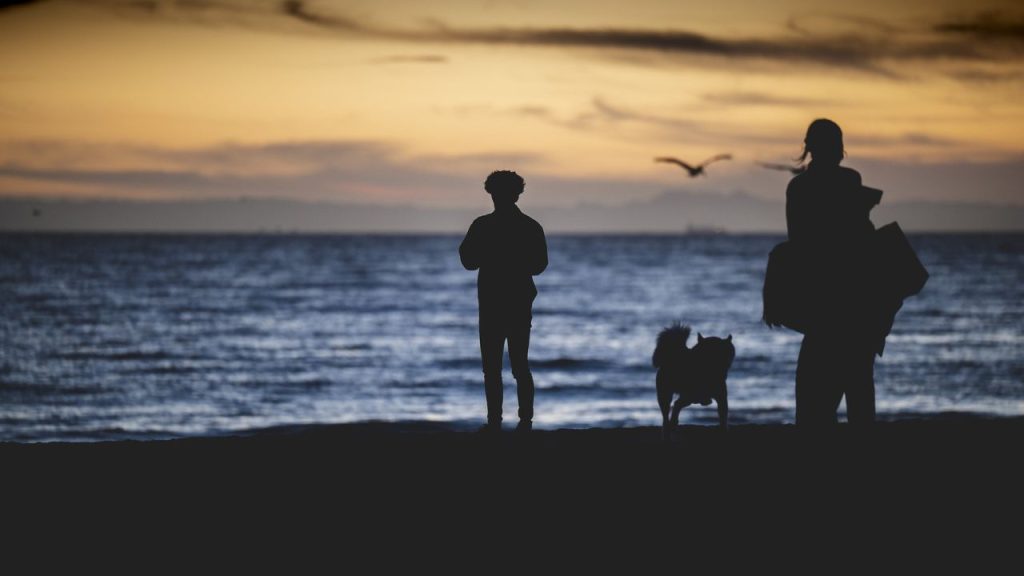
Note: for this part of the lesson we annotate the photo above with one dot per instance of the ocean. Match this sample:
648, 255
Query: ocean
113, 336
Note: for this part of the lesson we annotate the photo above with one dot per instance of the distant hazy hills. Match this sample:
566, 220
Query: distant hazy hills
675, 211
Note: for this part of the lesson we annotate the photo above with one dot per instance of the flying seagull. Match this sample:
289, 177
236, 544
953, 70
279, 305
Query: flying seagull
697, 170
784, 167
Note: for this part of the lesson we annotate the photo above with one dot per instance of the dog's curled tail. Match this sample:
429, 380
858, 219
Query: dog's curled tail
671, 341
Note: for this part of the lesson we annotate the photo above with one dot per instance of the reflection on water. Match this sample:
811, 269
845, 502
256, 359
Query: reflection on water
118, 335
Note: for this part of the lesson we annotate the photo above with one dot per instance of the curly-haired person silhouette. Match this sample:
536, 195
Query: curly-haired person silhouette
827, 218
509, 249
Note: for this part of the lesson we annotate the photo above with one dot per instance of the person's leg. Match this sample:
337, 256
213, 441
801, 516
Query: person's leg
816, 398
860, 386
518, 355
805, 383
492, 343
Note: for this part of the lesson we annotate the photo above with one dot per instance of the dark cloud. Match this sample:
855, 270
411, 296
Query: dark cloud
979, 76
845, 42
986, 26
867, 52
8, 4
679, 42
299, 11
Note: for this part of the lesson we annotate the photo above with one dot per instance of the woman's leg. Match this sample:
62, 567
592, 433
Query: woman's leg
860, 387
816, 397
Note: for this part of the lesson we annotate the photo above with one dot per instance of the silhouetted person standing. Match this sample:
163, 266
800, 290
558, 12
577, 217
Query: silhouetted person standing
509, 249
827, 213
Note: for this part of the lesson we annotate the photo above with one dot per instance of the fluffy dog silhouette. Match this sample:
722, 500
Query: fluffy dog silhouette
696, 375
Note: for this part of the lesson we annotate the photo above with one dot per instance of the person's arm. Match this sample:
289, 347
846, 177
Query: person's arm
471, 249
538, 259
794, 224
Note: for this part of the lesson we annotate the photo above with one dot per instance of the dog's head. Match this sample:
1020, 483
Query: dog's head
715, 354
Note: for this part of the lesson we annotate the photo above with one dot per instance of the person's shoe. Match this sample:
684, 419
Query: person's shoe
524, 426
489, 429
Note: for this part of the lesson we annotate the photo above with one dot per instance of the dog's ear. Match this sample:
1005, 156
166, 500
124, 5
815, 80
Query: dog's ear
700, 337
728, 338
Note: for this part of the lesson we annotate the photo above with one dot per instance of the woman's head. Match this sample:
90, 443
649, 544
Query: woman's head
824, 142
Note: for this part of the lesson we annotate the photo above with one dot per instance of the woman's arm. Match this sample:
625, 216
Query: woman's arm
794, 213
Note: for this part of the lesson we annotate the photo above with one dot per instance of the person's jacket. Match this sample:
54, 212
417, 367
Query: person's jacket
509, 248
827, 208
827, 218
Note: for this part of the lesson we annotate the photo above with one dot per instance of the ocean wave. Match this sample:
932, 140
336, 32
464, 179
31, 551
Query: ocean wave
163, 369
115, 355
577, 312
440, 383
352, 347
48, 389
754, 359
561, 363
567, 363
459, 362
591, 388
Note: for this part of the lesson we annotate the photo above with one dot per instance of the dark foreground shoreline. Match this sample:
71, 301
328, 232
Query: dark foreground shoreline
964, 449
442, 486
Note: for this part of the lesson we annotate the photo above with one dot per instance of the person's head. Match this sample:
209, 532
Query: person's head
824, 142
504, 186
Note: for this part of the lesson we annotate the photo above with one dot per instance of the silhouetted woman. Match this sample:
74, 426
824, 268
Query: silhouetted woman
827, 220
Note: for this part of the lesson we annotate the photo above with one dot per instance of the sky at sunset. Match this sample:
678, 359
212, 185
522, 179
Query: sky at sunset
413, 103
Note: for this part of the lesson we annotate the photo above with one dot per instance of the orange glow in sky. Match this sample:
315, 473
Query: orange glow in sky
108, 98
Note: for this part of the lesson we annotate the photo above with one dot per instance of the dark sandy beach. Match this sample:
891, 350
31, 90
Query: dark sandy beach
438, 487
951, 452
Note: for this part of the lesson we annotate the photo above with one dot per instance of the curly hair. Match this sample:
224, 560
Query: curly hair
504, 181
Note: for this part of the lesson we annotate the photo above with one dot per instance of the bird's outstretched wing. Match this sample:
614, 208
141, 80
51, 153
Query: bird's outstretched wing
783, 167
716, 159
674, 161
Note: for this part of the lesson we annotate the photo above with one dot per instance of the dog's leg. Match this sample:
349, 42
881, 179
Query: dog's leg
676, 408
664, 403
723, 409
